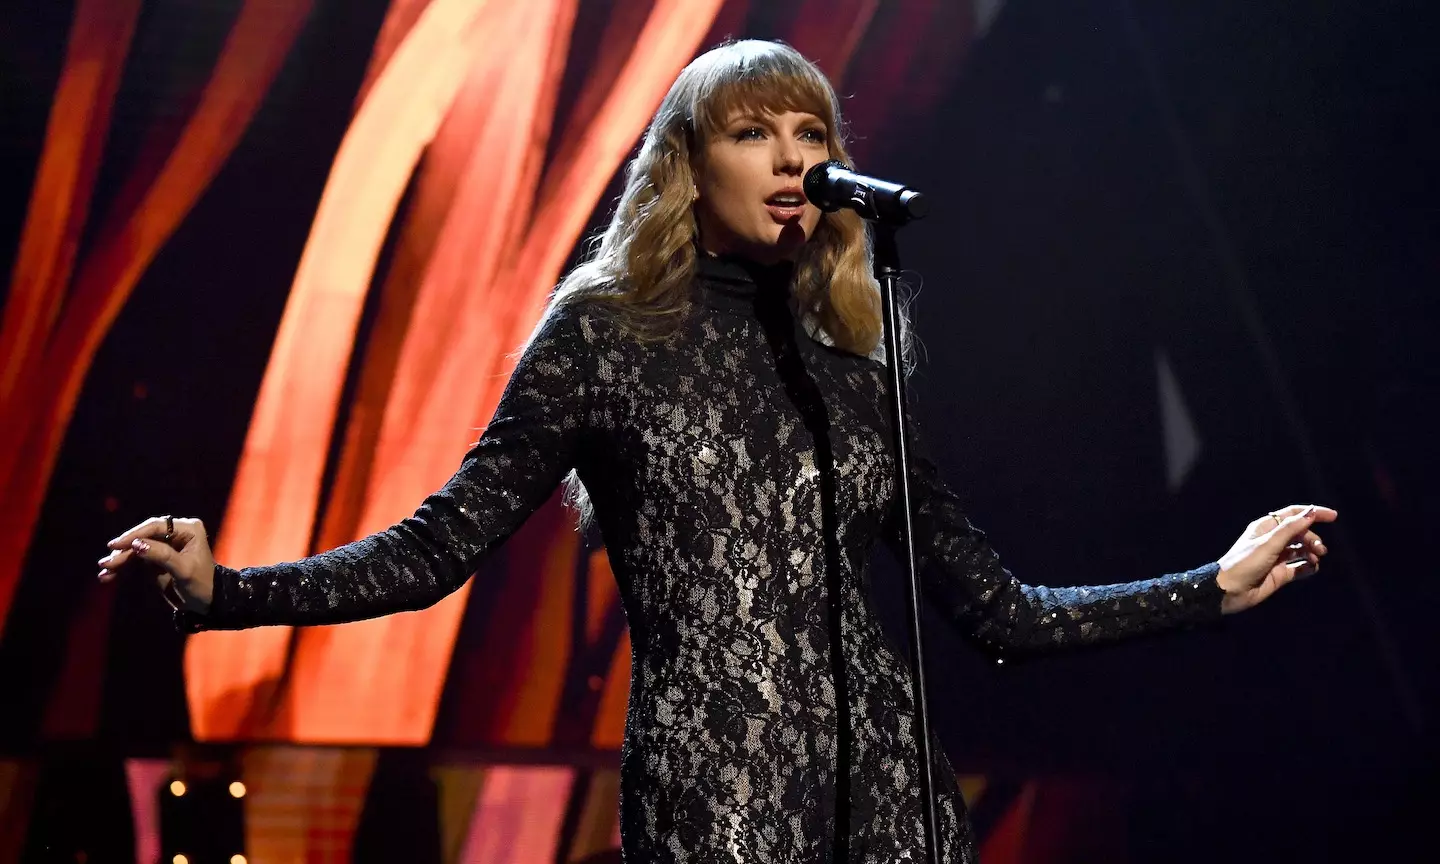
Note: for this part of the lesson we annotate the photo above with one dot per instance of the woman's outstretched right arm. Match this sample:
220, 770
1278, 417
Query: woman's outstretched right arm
530, 444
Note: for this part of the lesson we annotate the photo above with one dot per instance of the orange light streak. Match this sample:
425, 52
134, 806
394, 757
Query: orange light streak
380, 680
518, 817
75, 135
272, 505
529, 643
609, 731
304, 804
438, 182
400, 18
320, 707
429, 432
257, 44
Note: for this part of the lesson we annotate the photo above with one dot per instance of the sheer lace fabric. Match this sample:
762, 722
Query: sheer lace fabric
741, 477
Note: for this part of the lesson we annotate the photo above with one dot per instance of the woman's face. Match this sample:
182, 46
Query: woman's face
748, 178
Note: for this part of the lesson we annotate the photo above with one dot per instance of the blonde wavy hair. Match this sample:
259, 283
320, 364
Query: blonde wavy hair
642, 264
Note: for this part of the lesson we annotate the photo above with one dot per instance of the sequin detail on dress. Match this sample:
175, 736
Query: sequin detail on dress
740, 473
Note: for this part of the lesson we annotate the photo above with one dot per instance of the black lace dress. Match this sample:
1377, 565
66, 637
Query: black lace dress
741, 476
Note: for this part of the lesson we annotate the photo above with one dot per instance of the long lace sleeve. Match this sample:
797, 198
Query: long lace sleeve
963, 576
530, 444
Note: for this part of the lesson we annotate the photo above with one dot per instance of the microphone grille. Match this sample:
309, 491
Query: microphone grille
817, 184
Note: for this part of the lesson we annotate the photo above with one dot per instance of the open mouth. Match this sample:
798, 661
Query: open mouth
784, 206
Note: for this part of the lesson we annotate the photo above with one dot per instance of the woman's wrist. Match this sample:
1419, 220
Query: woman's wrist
1235, 597
203, 614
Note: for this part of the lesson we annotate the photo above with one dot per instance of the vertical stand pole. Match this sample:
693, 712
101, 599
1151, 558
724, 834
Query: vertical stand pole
887, 272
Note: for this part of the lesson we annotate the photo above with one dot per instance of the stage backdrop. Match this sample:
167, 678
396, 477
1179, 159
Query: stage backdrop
482, 138
269, 262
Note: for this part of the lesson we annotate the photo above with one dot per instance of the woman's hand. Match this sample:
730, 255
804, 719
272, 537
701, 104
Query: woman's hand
1275, 550
183, 566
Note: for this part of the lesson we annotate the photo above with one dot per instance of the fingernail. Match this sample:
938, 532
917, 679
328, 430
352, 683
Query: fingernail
1309, 511
140, 546
103, 574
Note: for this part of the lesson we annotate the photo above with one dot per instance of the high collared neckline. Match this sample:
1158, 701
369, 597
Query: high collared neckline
730, 281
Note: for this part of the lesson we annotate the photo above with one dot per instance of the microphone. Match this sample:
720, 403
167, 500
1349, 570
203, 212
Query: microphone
831, 185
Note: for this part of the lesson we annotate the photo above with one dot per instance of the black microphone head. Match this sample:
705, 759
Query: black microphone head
820, 188
915, 204
832, 185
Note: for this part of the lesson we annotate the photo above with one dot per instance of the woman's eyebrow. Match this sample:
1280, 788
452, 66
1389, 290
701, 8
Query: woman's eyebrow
748, 117
751, 116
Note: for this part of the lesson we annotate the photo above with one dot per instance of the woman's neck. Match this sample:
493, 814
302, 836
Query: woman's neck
764, 256
764, 274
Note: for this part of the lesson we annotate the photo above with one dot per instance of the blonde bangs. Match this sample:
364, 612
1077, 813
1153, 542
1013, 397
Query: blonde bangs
762, 84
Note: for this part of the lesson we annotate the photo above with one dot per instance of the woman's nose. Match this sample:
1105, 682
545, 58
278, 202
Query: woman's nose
789, 160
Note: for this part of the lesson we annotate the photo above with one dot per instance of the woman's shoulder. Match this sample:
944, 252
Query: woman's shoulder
591, 317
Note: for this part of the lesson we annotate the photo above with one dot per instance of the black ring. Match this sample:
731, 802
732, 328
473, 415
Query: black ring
169, 528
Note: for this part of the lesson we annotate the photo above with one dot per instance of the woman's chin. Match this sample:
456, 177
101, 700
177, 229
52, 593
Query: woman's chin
783, 244
791, 240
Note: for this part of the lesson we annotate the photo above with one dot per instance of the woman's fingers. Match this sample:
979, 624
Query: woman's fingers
1303, 567
159, 554
1322, 514
1274, 550
182, 568
110, 565
1270, 521
1309, 544
115, 558
1293, 528
183, 532
154, 528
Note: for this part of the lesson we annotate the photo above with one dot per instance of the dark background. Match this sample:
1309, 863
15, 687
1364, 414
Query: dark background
1245, 187
1249, 188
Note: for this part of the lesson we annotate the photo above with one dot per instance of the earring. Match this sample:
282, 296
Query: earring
694, 193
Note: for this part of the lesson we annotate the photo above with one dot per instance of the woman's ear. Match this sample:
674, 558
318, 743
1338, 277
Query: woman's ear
696, 160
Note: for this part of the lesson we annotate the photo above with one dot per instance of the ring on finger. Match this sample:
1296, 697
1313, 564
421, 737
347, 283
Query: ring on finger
1277, 518
169, 528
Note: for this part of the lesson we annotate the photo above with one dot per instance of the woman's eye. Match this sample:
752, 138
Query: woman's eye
816, 136
750, 133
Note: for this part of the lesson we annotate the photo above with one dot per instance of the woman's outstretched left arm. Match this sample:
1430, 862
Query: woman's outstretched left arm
962, 574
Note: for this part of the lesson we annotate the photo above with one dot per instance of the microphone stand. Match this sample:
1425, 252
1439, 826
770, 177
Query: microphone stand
886, 206
887, 272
